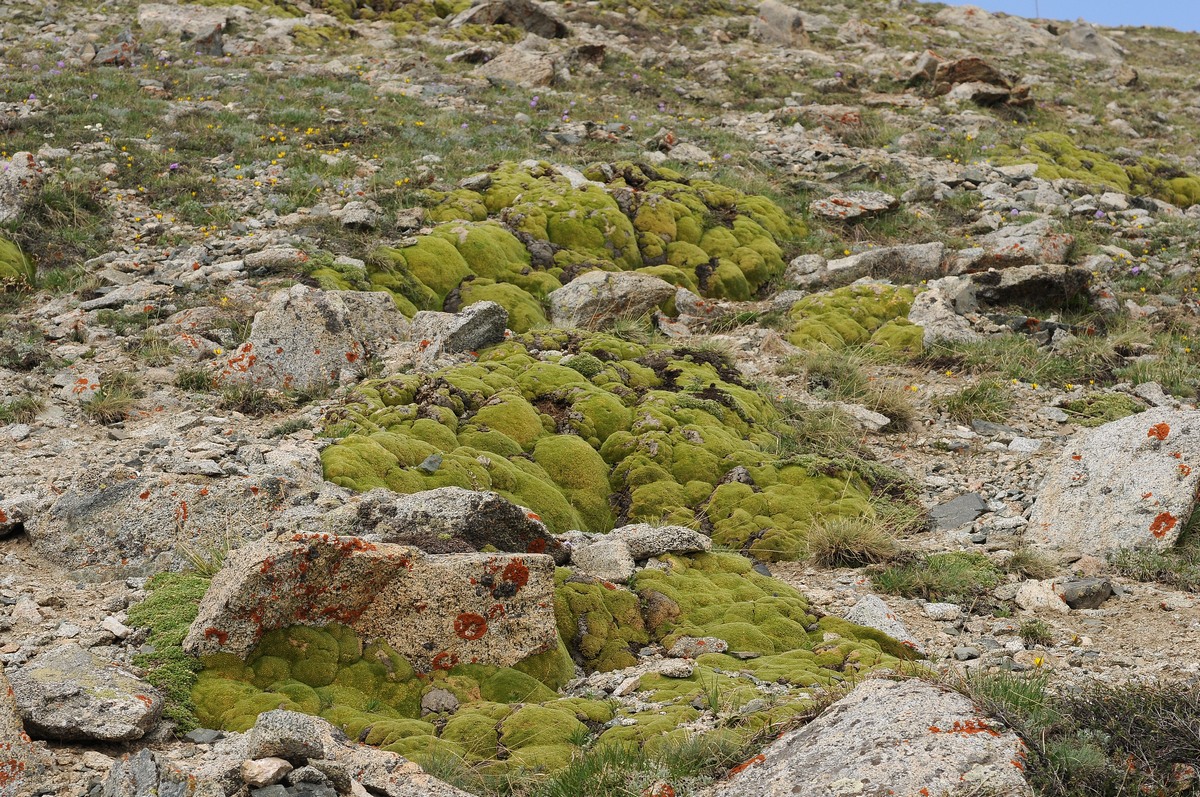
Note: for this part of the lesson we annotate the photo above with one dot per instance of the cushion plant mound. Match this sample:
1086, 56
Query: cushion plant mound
633, 433
534, 228
507, 719
15, 268
859, 315
1059, 157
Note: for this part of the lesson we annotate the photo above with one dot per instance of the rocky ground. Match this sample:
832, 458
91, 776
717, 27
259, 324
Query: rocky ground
580, 398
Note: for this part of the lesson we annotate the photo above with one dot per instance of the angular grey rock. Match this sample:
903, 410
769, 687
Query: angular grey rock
645, 540
536, 18
1153, 394
607, 559
475, 327
1085, 593
265, 771
958, 512
1085, 39
489, 608
294, 736
909, 737
598, 297
1037, 242
1025, 445
778, 23
108, 526
520, 67
451, 520
938, 310
1045, 286
1127, 484
872, 612
307, 337
902, 263
853, 205
67, 692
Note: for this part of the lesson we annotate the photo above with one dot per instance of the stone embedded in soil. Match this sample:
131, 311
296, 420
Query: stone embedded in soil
436, 611
912, 736
872, 612
1085, 593
69, 693
1127, 484
1039, 285
853, 205
958, 512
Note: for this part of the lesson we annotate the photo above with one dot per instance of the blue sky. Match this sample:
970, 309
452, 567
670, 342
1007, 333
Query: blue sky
1180, 14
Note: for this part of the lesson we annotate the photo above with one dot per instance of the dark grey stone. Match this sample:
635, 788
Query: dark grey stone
1086, 593
204, 736
958, 512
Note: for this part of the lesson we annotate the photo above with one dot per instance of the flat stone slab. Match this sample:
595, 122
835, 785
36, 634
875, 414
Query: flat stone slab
69, 693
1127, 484
889, 737
853, 205
958, 511
436, 611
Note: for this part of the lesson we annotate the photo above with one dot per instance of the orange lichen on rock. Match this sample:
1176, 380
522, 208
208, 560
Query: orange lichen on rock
1159, 431
1163, 522
968, 727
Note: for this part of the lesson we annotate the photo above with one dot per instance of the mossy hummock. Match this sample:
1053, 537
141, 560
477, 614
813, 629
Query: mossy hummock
534, 228
634, 433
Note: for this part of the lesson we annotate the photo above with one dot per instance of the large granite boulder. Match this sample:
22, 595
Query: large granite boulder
1127, 484
306, 337
889, 737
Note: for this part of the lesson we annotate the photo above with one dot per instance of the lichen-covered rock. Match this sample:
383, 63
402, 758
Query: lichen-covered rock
435, 610
598, 298
67, 692
907, 263
909, 736
307, 337
607, 559
1143, 470
1040, 241
119, 524
619, 433
645, 540
454, 520
853, 205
